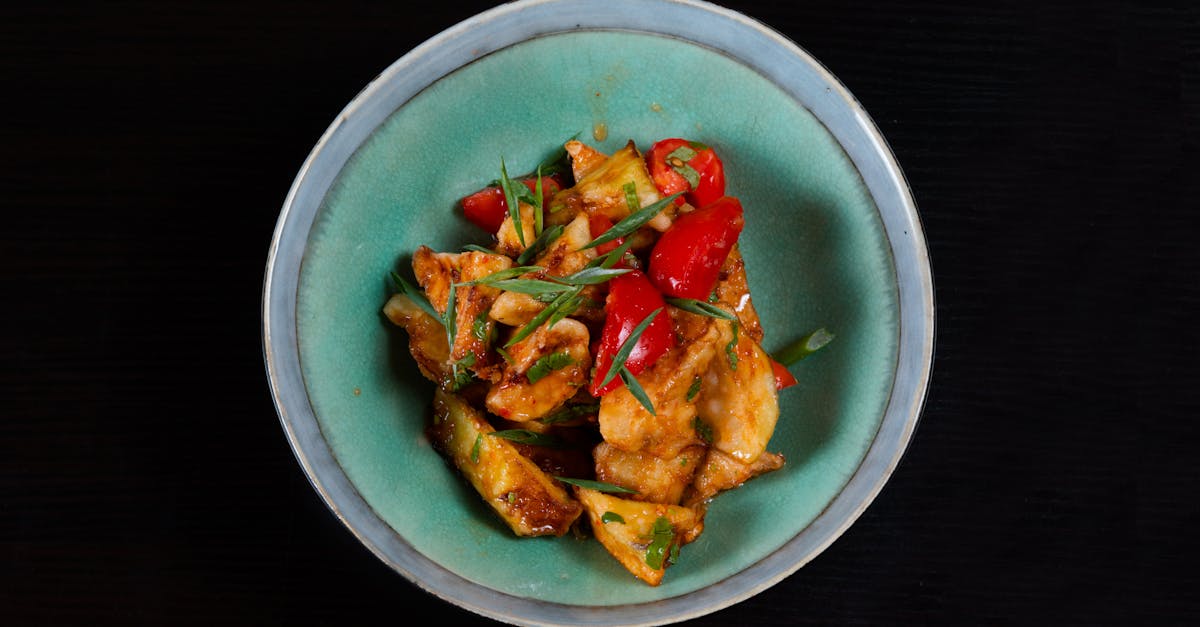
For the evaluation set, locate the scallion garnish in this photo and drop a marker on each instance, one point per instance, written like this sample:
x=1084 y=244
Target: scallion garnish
x=626 y=349
x=541 y=243
x=701 y=308
x=462 y=378
x=511 y=199
x=450 y=322
x=678 y=160
x=475 y=448
x=612 y=257
x=608 y=517
x=731 y=347
x=632 y=222
x=662 y=537
x=531 y=326
x=503 y=275
x=532 y=287
x=804 y=347
x=694 y=388
x=480 y=328
x=547 y=364
x=570 y=412
x=525 y=436
x=631 y=197
x=703 y=430
x=598 y=486
x=537 y=205
x=479 y=249
x=637 y=391
x=415 y=295
x=592 y=276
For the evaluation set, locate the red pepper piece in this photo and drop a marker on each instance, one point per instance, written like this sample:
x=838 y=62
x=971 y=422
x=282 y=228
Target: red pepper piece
x=686 y=260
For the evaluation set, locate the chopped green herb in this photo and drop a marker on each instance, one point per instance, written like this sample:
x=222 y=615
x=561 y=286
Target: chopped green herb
x=804 y=347
x=476 y=447
x=537 y=204
x=450 y=322
x=512 y=200
x=731 y=347
x=525 y=436
x=544 y=239
x=683 y=461
x=698 y=146
x=479 y=249
x=481 y=328
x=561 y=301
x=636 y=390
x=701 y=308
x=598 y=486
x=663 y=536
x=461 y=376
x=503 y=275
x=632 y=222
x=694 y=388
x=558 y=161
x=612 y=517
x=547 y=364
x=703 y=430
x=678 y=160
x=504 y=355
x=631 y=197
x=612 y=257
x=569 y=413
x=674 y=553
x=512 y=497
x=626 y=348
x=593 y=276
x=712 y=298
x=532 y=287
x=415 y=295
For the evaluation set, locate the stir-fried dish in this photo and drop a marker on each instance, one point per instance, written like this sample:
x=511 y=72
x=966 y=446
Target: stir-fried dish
x=599 y=367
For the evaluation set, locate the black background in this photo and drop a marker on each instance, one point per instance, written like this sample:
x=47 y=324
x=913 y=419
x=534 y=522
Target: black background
x=147 y=150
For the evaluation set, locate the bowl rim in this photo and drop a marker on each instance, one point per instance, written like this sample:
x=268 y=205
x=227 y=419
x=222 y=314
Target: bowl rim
x=750 y=43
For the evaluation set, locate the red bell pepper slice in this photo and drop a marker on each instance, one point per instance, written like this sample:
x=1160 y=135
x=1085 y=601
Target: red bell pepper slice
x=686 y=260
x=487 y=207
x=631 y=297
x=671 y=170
x=783 y=377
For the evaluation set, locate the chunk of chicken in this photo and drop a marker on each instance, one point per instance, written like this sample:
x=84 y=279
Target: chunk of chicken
x=627 y=425
x=529 y=501
x=564 y=256
x=656 y=480
x=738 y=399
x=733 y=292
x=516 y=397
x=426 y=337
x=637 y=533
x=436 y=272
x=720 y=472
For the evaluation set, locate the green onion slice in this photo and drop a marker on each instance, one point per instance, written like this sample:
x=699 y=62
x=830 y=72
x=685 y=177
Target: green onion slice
x=415 y=295
x=547 y=364
x=598 y=486
x=804 y=347
x=632 y=222
x=511 y=199
x=525 y=436
x=700 y=307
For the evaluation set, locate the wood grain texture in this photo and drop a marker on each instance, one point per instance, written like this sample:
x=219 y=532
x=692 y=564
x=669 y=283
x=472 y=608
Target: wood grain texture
x=148 y=148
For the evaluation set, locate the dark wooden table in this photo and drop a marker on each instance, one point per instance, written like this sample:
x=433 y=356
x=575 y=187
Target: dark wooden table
x=147 y=149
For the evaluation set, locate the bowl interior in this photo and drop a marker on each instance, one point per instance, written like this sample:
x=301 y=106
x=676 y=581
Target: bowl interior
x=816 y=254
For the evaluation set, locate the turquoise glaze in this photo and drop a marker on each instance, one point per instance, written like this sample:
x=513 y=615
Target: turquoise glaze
x=832 y=239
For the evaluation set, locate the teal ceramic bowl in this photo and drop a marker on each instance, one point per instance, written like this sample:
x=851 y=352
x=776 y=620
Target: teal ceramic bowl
x=832 y=239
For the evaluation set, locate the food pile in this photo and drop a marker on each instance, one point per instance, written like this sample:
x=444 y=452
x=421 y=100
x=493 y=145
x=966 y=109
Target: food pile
x=599 y=366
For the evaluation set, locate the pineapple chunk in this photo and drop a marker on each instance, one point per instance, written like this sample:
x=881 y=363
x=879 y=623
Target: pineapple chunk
x=646 y=536
x=426 y=337
x=584 y=158
x=602 y=191
x=529 y=501
x=517 y=398
x=740 y=405
x=656 y=480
